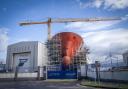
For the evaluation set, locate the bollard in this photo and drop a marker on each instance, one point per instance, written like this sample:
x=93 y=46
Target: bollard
x=38 y=73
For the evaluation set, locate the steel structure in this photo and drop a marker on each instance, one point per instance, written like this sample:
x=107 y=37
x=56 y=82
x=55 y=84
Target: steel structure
x=65 y=20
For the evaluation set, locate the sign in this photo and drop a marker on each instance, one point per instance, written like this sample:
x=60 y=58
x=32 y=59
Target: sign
x=22 y=61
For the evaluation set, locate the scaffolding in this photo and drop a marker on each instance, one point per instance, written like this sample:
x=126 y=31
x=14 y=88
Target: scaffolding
x=80 y=57
x=55 y=55
x=54 y=52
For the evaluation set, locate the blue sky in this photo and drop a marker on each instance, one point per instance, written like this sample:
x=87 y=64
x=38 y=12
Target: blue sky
x=14 y=11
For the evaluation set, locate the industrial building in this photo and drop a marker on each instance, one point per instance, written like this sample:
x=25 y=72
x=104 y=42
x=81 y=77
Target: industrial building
x=28 y=55
x=2 y=67
x=125 y=57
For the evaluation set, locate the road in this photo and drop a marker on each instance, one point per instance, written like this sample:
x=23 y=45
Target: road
x=41 y=85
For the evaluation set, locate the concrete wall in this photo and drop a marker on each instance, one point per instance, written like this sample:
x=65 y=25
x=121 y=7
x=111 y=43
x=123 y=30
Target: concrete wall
x=27 y=75
x=7 y=75
x=116 y=75
x=20 y=75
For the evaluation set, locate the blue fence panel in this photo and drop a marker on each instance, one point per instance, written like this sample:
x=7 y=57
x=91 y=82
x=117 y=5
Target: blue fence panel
x=62 y=74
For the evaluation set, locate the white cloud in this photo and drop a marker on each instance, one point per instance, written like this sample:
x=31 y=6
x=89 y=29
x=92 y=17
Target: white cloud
x=94 y=26
x=103 y=42
x=97 y=3
x=91 y=26
x=106 y=4
x=125 y=17
x=116 y=4
x=3 y=39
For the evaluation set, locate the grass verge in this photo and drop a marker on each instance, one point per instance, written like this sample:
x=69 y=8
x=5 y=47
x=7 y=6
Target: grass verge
x=104 y=84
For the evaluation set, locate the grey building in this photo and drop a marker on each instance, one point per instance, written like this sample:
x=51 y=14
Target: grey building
x=125 y=57
x=27 y=55
x=2 y=67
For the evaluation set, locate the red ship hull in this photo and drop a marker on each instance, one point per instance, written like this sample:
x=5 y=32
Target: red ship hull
x=70 y=43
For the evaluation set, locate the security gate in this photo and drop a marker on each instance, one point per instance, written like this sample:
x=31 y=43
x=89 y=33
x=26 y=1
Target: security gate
x=57 y=73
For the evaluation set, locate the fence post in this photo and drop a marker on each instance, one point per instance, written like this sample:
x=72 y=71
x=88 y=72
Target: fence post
x=86 y=68
x=16 y=73
x=78 y=72
x=38 y=73
x=44 y=72
x=97 y=65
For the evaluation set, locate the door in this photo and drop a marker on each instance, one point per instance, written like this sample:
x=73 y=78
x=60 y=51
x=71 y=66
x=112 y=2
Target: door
x=22 y=60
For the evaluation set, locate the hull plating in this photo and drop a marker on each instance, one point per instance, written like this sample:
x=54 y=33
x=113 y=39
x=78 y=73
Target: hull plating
x=70 y=43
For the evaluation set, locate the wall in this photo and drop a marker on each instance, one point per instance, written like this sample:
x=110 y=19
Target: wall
x=42 y=55
x=20 y=75
x=116 y=75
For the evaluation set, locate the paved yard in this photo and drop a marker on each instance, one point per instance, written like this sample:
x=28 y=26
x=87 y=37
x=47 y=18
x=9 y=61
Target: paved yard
x=41 y=85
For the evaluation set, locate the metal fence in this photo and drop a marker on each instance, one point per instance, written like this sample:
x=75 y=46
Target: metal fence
x=106 y=73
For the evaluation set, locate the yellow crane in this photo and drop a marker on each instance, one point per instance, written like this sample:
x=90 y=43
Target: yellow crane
x=65 y=20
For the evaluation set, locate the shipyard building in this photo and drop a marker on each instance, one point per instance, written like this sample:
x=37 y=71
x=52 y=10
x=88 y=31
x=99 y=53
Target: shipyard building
x=60 y=58
x=27 y=54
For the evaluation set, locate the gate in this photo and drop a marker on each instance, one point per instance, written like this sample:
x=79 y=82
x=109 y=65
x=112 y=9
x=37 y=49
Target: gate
x=57 y=73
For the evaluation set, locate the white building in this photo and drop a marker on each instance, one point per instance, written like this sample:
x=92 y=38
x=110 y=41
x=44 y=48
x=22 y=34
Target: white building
x=125 y=57
x=28 y=55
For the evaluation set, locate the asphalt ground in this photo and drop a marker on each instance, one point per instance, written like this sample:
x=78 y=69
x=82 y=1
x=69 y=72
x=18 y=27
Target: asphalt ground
x=42 y=85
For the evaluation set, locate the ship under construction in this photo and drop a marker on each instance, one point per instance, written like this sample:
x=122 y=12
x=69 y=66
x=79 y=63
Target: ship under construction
x=66 y=50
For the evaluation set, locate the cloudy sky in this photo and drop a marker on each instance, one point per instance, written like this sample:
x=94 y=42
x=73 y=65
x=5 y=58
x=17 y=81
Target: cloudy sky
x=100 y=37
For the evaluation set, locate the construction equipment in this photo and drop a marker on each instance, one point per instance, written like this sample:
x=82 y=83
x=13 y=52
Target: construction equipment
x=65 y=20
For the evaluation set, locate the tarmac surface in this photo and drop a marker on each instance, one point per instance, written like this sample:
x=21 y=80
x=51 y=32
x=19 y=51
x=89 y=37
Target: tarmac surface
x=42 y=85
